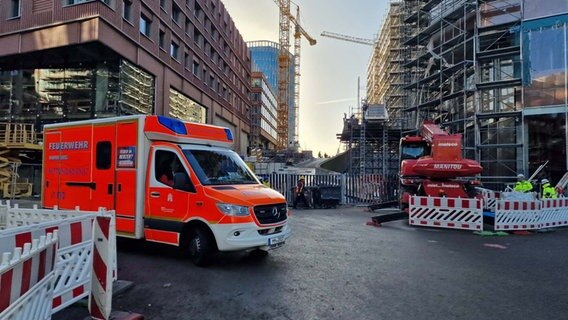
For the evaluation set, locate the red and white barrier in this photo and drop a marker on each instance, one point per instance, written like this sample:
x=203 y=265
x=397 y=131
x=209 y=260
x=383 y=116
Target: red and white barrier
x=517 y=215
x=553 y=213
x=453 y=213
x=26 y=279
x=74 y=258
x=104 y=249
x=490 y=198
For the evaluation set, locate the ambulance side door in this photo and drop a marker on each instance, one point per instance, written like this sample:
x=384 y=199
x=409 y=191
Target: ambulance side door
x=166 y=206
x=102 y=175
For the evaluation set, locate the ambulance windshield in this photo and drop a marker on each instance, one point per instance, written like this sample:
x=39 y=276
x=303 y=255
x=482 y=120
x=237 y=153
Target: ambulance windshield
x=216 y=167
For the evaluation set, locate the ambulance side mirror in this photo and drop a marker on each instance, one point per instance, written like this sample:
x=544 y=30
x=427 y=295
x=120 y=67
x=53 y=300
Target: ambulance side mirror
x=182 y=182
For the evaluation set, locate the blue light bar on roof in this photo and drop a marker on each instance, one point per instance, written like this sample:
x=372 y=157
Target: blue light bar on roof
x=174 y=125
x=229 y=134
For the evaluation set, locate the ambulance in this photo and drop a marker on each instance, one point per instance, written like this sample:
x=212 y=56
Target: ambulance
x=169 y=181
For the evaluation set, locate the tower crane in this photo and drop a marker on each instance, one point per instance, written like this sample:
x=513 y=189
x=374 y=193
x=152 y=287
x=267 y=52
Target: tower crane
x=286 y=18
x=338 y=36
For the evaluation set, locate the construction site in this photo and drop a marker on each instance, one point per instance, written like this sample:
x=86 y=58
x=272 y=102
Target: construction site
x=461 y=64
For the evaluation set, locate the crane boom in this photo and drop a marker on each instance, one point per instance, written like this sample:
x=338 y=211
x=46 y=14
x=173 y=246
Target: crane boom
x=338 y=36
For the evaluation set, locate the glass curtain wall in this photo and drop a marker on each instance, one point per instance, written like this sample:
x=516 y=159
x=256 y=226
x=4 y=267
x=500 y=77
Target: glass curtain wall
x=184 y=108
x=545 y=79
x=75 y=93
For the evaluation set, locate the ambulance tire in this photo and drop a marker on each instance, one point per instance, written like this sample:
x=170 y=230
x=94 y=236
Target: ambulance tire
x=200 y=247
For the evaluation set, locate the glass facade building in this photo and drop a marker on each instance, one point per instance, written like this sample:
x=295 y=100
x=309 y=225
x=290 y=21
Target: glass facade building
x=264 y=55
x=264 y=114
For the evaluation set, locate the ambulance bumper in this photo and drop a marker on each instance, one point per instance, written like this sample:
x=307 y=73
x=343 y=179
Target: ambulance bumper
x=235 y=237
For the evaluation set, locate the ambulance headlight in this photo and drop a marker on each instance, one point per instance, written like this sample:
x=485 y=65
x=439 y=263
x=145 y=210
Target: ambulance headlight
x=233 y=210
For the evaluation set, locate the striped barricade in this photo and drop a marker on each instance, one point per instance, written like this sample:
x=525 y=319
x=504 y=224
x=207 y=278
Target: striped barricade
x=74 y=263
x=26 y=279
x=490 y=198
x=103 y=274
x=553 y=213
x=73 y=254
x=452 y=213
x=517 y=215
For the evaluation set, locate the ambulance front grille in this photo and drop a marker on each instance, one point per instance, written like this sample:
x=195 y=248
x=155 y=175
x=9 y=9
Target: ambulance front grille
x=269 y=214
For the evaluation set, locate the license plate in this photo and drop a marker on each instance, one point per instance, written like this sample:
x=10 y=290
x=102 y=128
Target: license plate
x=276 y=241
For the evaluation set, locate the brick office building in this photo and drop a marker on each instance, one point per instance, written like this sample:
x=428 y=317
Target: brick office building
x=66 y=60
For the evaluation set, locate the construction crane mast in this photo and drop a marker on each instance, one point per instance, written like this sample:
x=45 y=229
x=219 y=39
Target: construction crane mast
x=283 y=72
x=299 y=31
x=286 y=18
x=338 y=36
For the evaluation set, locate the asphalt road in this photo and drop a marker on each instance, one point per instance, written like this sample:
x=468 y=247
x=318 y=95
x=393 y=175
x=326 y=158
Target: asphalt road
x=336 y=267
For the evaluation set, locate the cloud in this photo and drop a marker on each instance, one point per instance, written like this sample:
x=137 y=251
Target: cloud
x=337 y=101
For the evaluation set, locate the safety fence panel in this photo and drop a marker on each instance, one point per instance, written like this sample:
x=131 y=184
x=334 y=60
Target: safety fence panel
x=517 y=215
x=490 y=198
x=553 y=213
x=370 y=188
x=74 y=259
x=26 y=279
x=3 y=213
x=17 y=216
x=286 y=183
x=453 y=213
x=355 y=189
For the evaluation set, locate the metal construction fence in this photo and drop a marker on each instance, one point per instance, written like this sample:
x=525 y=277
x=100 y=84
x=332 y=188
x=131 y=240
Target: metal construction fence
x=354 y=189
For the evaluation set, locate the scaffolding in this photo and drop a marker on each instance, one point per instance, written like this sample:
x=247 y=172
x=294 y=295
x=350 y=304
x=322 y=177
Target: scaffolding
x=458 y=63
x=371 y=142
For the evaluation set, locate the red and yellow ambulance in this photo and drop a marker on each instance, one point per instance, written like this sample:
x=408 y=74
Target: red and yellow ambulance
x=169 y=181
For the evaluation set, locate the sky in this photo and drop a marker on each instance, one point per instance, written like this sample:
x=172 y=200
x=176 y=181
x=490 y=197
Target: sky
x=329 y=70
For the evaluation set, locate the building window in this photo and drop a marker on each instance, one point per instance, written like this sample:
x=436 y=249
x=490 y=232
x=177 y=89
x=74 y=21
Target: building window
x=185 y=108
x=197 y=38
x=188 y=27
x=72 y=2
x=145 y=24
x=195 y=68
x=163 y=4
x=198 y=12
x=15 y=7
x=127 y=10
x=137 y=93
x=176 y=14
x=186 y=60
x=162 y=39
x=174 y=50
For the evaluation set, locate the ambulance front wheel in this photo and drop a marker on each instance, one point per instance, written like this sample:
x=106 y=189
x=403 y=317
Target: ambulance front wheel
x=200 y=247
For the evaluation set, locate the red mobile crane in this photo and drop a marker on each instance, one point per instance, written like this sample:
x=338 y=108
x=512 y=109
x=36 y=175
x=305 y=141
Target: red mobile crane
x=430 y=164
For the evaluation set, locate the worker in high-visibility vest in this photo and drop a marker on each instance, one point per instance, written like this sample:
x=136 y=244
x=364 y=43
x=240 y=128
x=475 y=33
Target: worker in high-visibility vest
x=548 y=191
x=523 y=185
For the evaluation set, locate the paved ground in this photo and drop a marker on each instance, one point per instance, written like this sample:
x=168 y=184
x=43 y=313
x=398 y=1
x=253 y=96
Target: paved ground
x=336 y=267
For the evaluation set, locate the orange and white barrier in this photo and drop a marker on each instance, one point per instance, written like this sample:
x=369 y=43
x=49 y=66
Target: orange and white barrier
x=74 y=259
x=26 y=279
x=517 y=215
x=453 y=213
x=554 y=213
